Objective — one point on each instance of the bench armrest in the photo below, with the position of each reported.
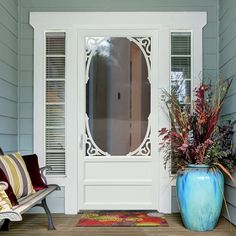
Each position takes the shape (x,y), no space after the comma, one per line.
(42,170)
(4,185)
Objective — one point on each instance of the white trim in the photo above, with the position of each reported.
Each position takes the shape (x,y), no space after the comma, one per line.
(197,55)
(127,20)
(71,22)
(39,92)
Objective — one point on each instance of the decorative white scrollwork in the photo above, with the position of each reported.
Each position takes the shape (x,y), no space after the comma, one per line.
(92,44)
(144,44)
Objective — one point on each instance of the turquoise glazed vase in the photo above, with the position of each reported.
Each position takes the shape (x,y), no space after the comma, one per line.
(200,196)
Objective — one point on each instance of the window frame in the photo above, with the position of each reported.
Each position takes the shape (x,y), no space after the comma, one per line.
(48,174)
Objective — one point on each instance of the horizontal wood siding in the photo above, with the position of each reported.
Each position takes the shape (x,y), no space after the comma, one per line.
(227,66)
(8,74)
(210,43)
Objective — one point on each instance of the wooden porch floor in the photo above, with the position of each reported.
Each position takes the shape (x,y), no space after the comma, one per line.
(36,224)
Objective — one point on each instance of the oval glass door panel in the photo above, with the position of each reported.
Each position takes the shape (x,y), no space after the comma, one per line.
(117,95)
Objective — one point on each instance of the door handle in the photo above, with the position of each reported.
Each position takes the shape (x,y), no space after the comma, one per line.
(81,141)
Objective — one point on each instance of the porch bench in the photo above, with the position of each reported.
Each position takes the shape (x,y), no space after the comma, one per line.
(26,203)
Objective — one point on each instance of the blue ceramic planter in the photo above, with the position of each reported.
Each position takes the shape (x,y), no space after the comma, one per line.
(200,197)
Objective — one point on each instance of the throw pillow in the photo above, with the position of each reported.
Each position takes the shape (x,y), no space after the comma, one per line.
(5,204)
(32,165)
(16,172)
(9,190)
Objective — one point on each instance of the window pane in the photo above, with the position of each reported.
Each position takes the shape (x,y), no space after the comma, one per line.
(55,139)
(55,43)
(57,161)
(183,90)
(55,115)
(181,43)
(118,95)
(55,91)
(55,67)
(55,102)
(180,68)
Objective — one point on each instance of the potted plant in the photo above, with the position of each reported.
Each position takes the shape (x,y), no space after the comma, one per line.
(200,149)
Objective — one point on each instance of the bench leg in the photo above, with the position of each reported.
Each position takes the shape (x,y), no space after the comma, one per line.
(50,221)
(44,205)
(5,225)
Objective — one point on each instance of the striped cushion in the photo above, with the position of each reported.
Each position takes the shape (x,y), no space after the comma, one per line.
(5,204)
(15,170)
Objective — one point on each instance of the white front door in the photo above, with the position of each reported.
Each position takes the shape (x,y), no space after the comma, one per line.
(118,167)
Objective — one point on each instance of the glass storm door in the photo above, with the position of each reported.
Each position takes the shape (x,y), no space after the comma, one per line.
(117,168)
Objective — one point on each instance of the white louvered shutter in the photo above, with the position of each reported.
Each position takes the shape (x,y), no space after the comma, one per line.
(55,102)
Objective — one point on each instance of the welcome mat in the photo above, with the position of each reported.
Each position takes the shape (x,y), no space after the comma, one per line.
(121,218)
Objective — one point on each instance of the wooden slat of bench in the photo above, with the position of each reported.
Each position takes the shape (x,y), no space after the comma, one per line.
(31,200)
(27,203)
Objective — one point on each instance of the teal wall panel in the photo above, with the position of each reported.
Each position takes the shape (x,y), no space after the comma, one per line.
(8,74)
(8,38)
(8,126)
(8,55)
(9,21)
(26,126)
(227,67)
(25,140)
(8,142)
(26,79)
(25,110)
(10,7)
(25,94)
(8,90)
(8,108)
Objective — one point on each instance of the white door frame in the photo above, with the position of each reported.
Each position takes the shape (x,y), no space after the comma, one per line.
(143,175)
(71,22)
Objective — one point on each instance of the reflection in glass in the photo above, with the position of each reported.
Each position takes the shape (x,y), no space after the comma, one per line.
(180,68)
(181,43)
(183,90)
(55,67)
(55,91)
(117,94)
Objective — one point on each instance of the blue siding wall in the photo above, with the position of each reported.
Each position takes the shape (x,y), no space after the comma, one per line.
(8,74)
(227,66)
(210,44)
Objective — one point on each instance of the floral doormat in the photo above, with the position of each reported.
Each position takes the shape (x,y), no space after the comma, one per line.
(121,218)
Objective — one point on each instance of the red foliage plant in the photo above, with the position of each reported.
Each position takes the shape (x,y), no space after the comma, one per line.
(194,137)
